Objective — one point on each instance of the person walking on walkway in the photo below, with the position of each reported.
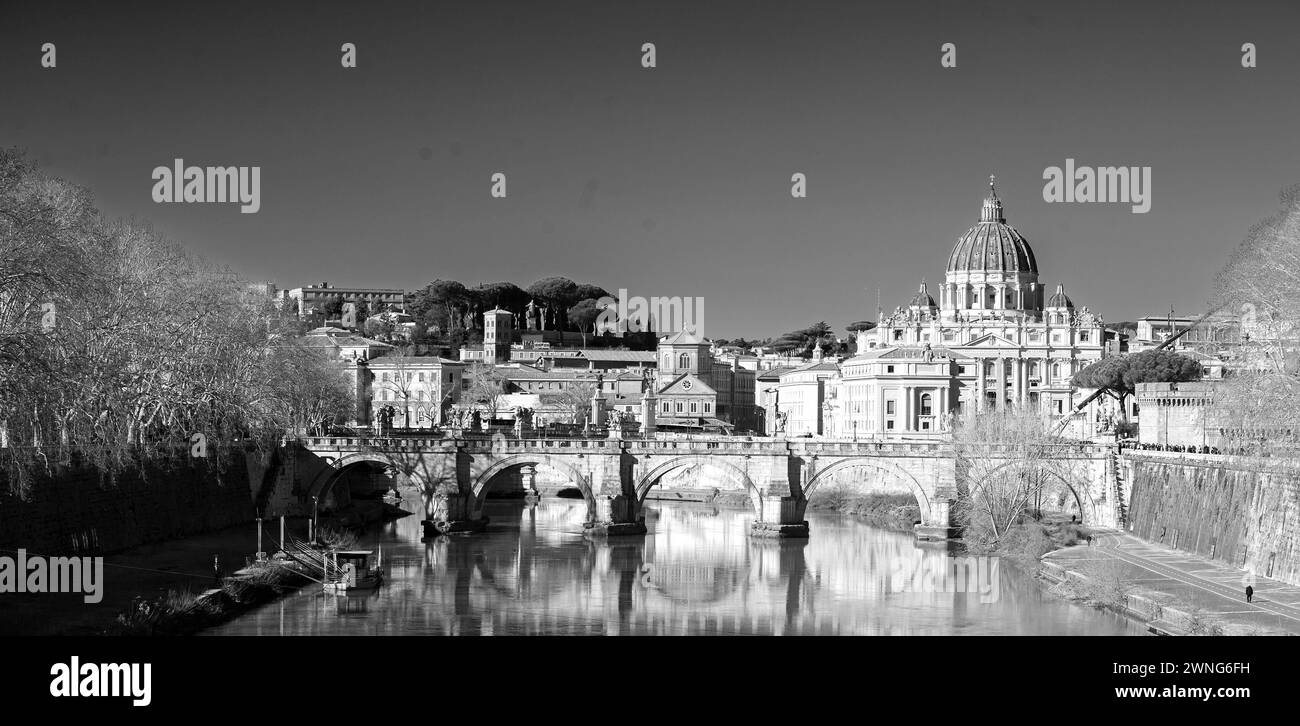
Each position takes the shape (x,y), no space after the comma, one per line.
(1250,592)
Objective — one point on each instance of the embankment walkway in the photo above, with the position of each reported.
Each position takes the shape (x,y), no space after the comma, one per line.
(1192,592)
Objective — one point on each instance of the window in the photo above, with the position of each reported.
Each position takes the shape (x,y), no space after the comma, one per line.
(898,335)
(665,407)
(961,370)
(889,407)
(1083,336)
(707,406)
(889,424)
(889,369)
(683,361)
(925,404)
(1056,371)
(1059,406)
(693,407)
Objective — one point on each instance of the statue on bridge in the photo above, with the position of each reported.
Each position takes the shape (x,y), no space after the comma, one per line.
(385,419)
(523,419)
(475,420)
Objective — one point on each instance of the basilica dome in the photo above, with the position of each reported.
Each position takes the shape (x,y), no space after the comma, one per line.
(992,245)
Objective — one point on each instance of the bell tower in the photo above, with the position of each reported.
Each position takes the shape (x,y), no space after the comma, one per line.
(498,333)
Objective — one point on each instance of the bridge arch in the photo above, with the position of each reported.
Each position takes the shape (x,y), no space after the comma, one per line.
(824,474)
(648,480)
(482,482)
(338,467)
(1087,506)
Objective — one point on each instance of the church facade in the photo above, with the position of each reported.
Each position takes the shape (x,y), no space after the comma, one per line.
(994,337)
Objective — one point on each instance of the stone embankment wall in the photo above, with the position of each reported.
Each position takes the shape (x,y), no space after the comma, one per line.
(1236,509)
(79,510)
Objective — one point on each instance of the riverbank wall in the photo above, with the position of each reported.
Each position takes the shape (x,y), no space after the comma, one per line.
(79,510)
(1243,511)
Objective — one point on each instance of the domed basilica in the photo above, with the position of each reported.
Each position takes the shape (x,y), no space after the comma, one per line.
(995,336)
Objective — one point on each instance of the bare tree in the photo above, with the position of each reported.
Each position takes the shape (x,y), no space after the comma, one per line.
(486,389)
(575,398)
(1001,456)
(116,344)
(1256,406)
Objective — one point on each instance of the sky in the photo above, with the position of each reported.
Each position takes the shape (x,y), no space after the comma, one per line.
(674,180)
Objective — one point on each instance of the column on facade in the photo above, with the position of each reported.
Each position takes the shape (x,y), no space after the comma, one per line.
(1045,377)
(1000,386)
(980,384)
(1015,380)
(907,408)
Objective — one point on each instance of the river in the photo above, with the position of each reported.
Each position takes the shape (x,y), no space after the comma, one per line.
(698,572)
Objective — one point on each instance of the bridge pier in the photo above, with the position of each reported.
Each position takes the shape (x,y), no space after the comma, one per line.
(452,513)
(781,504)
(616,516)
(940,525)
(618,508)
(781,517)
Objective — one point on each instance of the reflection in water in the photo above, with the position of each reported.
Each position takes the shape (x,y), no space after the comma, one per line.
(697,572)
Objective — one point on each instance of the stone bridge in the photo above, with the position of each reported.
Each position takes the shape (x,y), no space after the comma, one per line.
(614,475)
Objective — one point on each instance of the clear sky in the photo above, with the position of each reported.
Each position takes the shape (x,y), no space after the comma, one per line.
(674,180)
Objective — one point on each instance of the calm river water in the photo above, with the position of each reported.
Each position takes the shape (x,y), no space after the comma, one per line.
(696,573)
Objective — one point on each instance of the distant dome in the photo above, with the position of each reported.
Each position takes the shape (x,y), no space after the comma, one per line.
(922,298)
(992,245)
(1059,299)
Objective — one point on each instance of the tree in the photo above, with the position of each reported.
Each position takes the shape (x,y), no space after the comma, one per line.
(583,317)
(576,399)
(441,303)
(379,328)
(558,294)
(802,342)
(504,295)
(585,291)
(117,345)
(486,389)
(1259,282)
(305,387)
(1119,375)
(1003,458)
(332,307)
(363,312)
(1257,408)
